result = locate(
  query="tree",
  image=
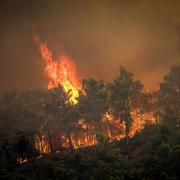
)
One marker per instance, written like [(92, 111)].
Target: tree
[(125, 95), (70, 122), (11, 109), (62, 114), (169, 94), (34, 117), (93, 103), (24, 147), (17, 114)]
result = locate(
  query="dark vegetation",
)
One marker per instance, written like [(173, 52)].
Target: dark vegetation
[(152, 153)]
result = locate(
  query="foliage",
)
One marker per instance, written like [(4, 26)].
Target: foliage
[(153, 153)]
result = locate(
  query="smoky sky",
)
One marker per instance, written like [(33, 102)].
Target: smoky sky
[(100, 35)]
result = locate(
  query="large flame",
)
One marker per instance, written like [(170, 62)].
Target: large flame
[(61, 71)]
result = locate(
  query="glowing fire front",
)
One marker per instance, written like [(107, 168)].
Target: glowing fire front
[(112, 129), (60, 72)]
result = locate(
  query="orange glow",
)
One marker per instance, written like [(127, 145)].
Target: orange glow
[(21, 160), (139, 120), (41, 143)]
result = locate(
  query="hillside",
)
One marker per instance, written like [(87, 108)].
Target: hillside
[(154, 153)]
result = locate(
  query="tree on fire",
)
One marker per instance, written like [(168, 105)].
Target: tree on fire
[(93, 103), (61, 114), (125, 95)]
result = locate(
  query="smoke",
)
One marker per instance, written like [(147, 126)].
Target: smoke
[(99, 35)]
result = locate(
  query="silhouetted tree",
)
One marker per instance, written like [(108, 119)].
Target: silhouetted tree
[(169, 94), (125, 95), (93, 102), (62, 114)]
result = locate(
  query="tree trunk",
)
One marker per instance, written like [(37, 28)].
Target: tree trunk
[(109, 132), (127, 126), (70, 141), (49, 138), (100, 128), (41, 144), (127, 119), (87, 137)]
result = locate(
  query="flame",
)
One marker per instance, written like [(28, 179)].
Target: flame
[(41, 144), (63, 71), (60, 72), (139, 120)]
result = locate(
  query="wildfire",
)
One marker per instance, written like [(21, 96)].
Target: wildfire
[(60, 72), (41, 143), (116, 127), (139, 120)]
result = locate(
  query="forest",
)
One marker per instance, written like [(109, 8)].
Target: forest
[(111, 130)]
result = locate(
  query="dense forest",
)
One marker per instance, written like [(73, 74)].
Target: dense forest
[(114, 130)]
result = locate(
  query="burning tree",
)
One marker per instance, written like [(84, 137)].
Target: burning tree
[(62, 114), (93, 103), (125, 95)]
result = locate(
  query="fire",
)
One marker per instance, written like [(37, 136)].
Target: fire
[(117, 130), (60, 72), (139, 120), (41, 143)]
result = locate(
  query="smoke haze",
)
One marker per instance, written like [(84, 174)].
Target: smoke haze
[(142, 35)]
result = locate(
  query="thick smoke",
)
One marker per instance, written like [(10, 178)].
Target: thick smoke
[(99, 35)]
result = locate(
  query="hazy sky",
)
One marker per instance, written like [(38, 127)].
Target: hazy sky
[(100, 35)]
